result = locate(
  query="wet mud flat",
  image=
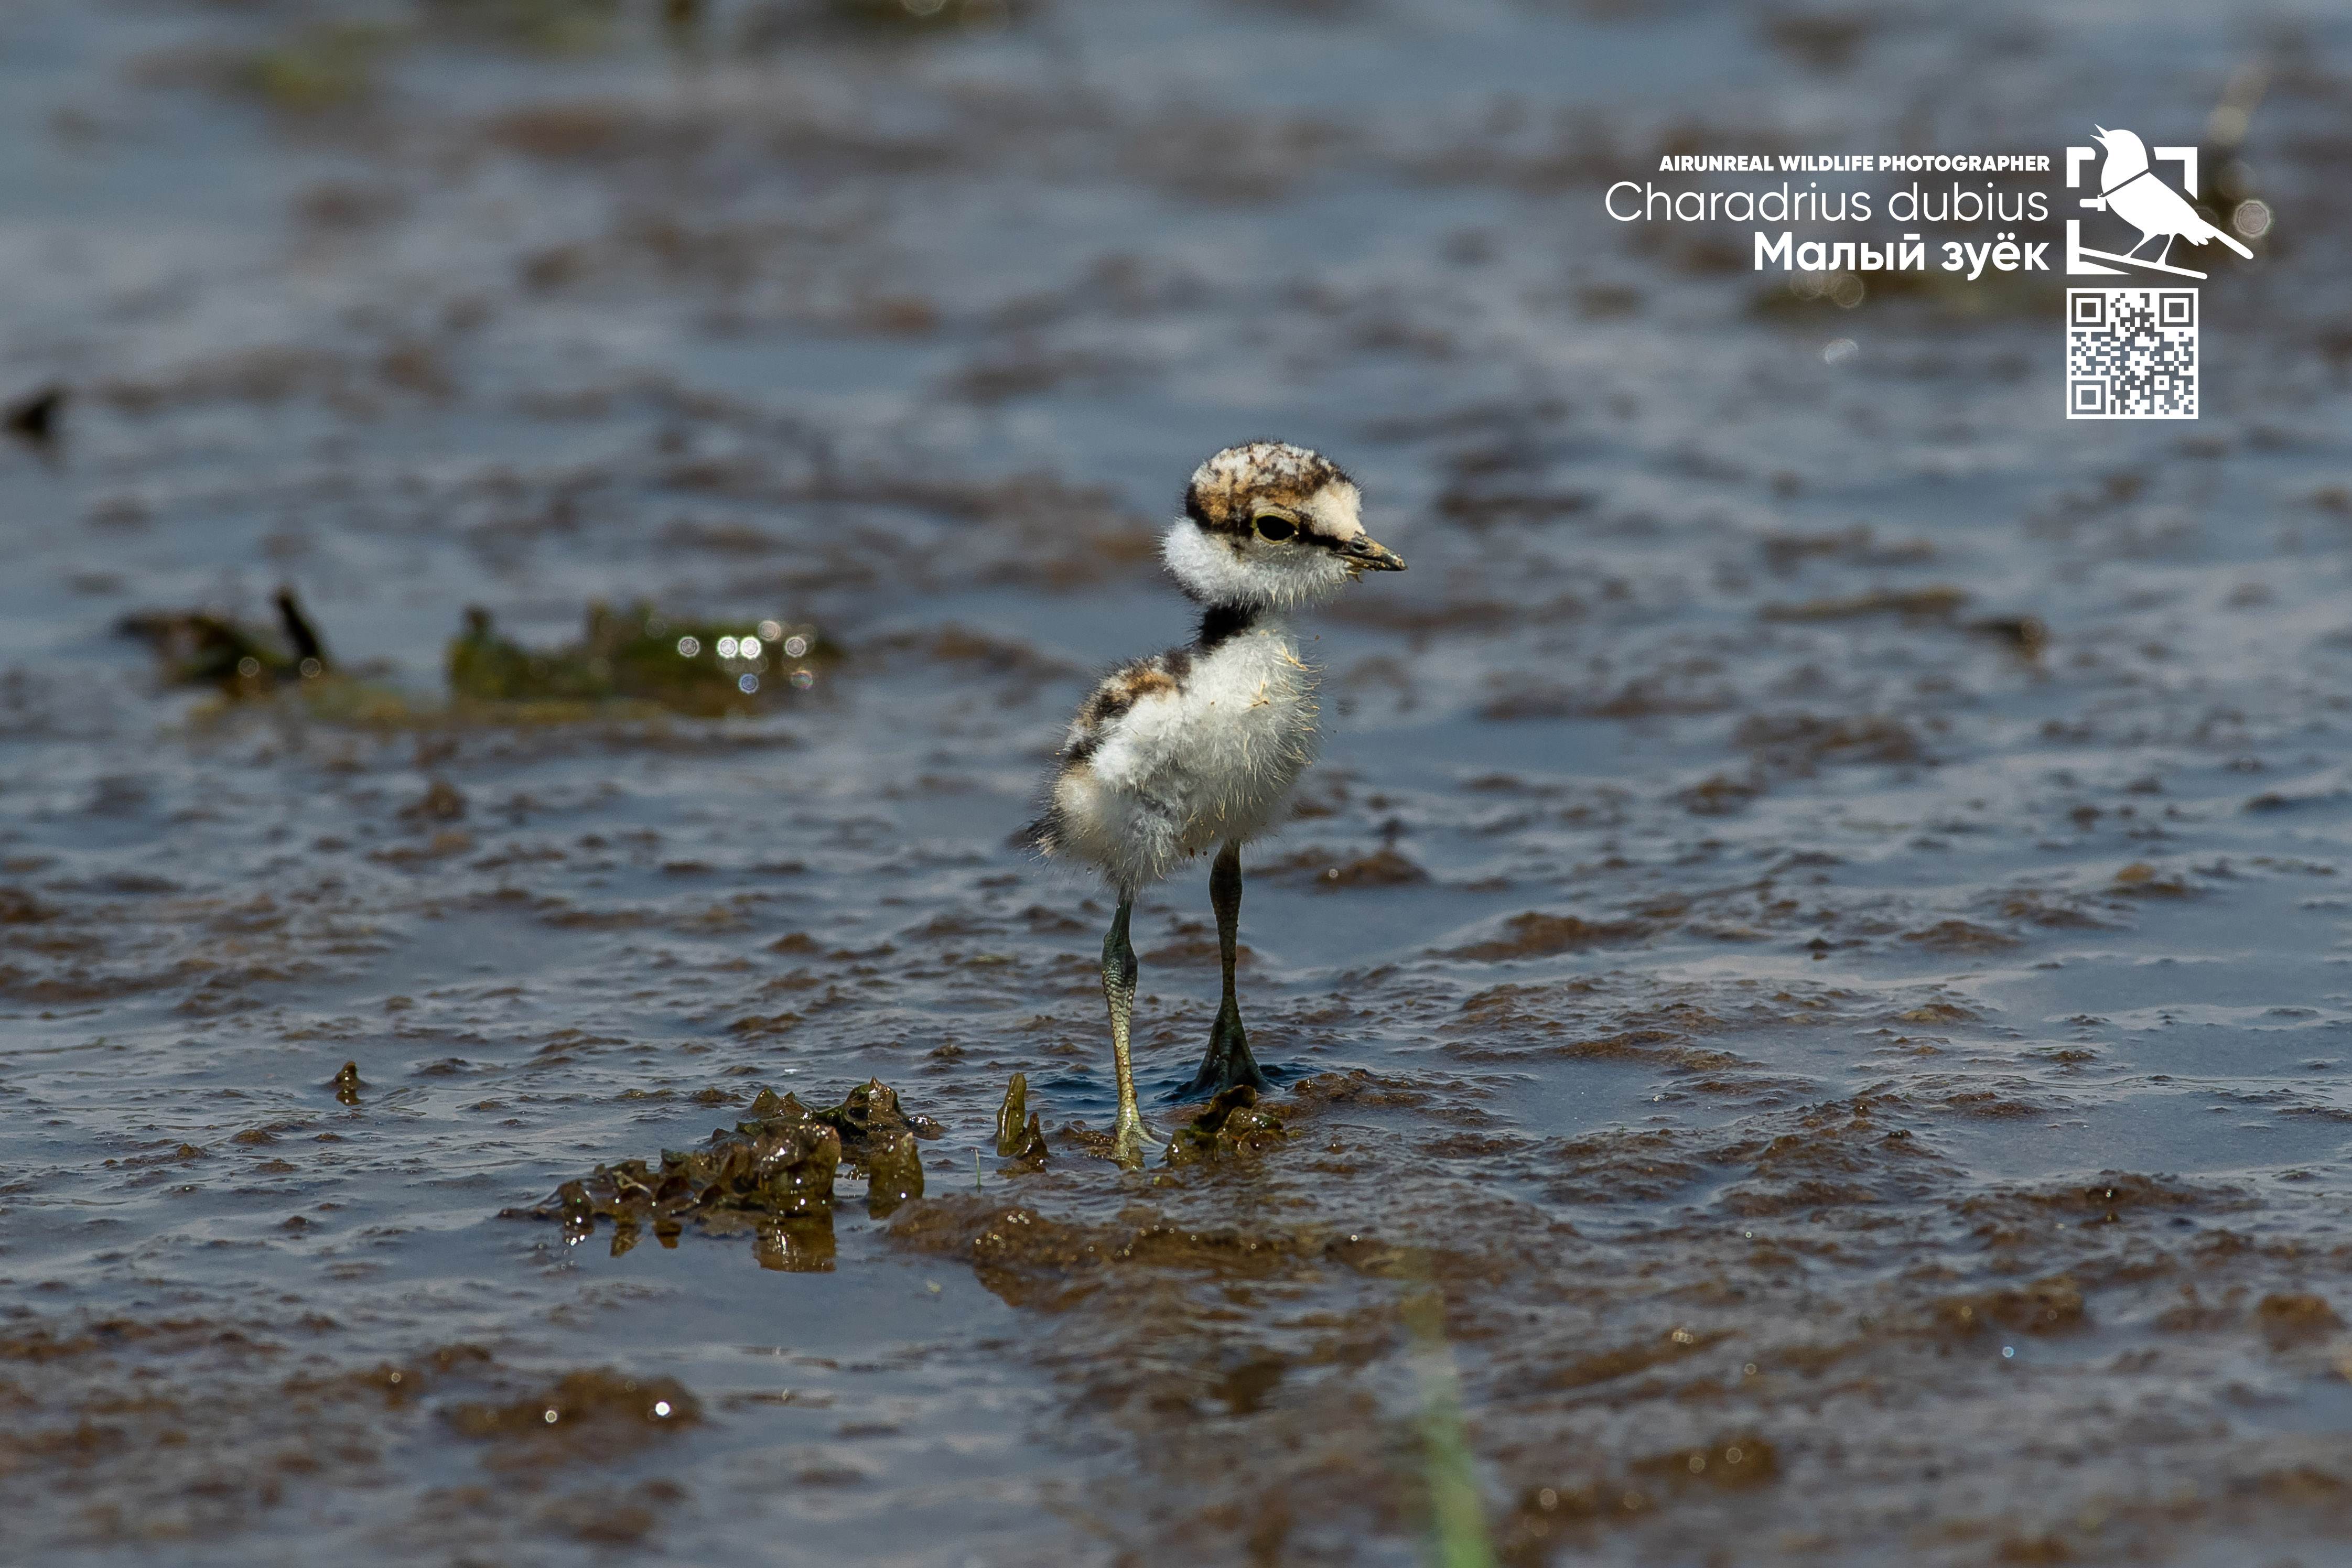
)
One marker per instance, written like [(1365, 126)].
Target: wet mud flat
[(1807, 994)]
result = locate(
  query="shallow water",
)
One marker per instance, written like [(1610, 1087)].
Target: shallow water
[(1862, 1093)]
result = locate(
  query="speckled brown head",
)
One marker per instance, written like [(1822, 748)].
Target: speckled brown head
[(1227, 489), (1270, 524)]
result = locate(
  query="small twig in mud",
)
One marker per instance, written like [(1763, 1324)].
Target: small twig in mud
[(1009, 1116), (34, 418), (309, 653), (1021, 1143)]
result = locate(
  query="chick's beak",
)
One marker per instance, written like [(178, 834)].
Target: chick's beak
[(1366, 555)]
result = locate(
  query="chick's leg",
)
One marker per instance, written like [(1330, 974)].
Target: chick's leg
[(1228, 1061), (1118, 991)]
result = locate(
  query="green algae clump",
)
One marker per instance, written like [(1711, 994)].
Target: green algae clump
[(868, 1117), (702, 668), (772, 1174), (202, 648), (1009, 1114), (1232, 1123), (1022, 1144), (894, 1173)]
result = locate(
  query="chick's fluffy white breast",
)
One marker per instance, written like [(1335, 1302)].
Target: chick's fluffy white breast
[(1178, 753)]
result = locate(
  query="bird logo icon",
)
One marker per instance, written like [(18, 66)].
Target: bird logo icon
[(2130, 188)]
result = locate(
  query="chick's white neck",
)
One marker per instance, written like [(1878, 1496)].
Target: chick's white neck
[(1214, 571)]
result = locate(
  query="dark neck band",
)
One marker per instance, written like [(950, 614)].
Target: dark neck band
[(1219, 621)]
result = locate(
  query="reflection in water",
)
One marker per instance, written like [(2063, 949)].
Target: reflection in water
[(796, 1246)]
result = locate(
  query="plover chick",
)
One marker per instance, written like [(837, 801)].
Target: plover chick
[(1198, 747)]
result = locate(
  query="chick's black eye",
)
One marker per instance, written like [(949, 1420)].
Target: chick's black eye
[(1274, 528)]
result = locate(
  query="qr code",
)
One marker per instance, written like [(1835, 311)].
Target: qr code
[(2131, 353)]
